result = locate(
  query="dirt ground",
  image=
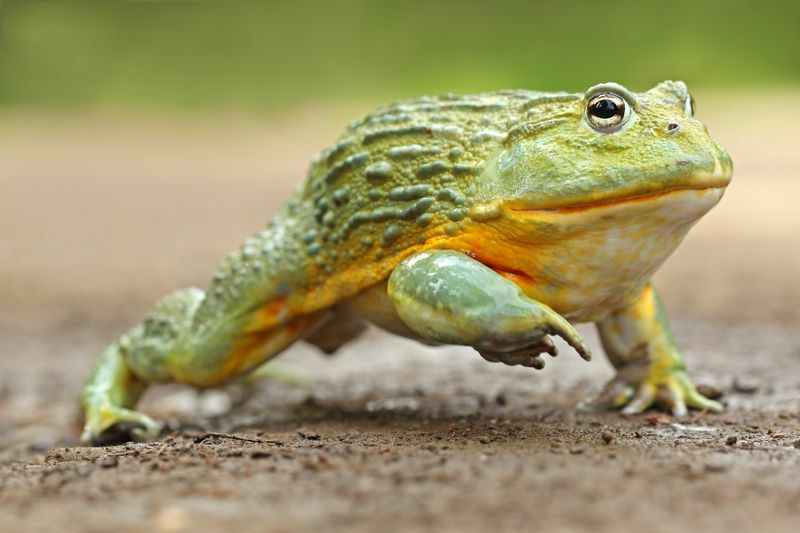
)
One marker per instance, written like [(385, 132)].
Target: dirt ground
[(102, 213)]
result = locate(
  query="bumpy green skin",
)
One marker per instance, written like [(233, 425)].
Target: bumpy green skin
[(487, 220)]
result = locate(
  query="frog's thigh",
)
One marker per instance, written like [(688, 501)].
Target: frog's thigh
[(216, 353), (448, 297)]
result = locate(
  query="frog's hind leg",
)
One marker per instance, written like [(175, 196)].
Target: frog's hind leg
[(173, 345), (329, 336)]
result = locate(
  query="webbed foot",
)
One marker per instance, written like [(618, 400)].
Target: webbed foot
[(107, 424), (639, 385), (107, 396)]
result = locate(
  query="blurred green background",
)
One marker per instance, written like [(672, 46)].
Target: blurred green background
[(260, 54)]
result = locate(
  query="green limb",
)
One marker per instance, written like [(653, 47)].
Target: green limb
[(122, 373), (171, 344), (450, 298), (650, 368), (274, 371), (110, 390)]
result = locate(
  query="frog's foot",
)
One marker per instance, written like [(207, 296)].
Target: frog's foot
[(107, 423), (529, 357), (639, 385)]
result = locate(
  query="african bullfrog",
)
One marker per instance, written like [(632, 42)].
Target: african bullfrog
[(494, 220)]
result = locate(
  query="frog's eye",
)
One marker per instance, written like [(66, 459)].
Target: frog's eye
[(607, 112), (688, 107)]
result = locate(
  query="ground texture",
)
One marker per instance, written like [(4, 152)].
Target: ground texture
[(103, 214)]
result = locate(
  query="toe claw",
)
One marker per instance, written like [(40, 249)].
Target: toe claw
[(643, 399), (548, 346), (578, 345), (535, 362), (697, 401), (679, 408), (671, 397), (622, 397), (567, 331), (87, 435)]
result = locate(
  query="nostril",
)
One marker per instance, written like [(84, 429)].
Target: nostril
[(673, 128)]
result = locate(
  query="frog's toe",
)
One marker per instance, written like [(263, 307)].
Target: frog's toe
[(643, 397), (111, 424), (678, 394), (561, 327), (530, 356), (548, 346), (695, 400), (528, 359), (671, 391)]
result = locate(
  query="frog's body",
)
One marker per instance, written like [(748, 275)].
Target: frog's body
[(483, 220)]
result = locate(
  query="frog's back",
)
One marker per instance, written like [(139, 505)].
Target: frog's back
[(398, 180)]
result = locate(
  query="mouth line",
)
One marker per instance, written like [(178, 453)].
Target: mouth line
[(609, 202)]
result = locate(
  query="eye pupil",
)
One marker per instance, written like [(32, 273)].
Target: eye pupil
[(607, 112), (605, 108)]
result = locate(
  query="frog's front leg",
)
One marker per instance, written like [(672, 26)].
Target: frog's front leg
[(650, 369), (448, 297)]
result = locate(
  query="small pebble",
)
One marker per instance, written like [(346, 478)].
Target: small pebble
[(260, 454), (709, 391), (306, 434), (110, 461), (745, 385), (576, 450), (657, 419), (730, 441)]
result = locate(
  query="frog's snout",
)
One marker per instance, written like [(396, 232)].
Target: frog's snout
[(723, 165), (711, 160), (719, 172)]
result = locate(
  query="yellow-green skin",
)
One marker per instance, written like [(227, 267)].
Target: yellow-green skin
[(490, 220)]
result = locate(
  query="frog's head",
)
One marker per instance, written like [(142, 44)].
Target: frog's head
[(606, 146)]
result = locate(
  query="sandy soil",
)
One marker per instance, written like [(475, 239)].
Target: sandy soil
[(101, 214)]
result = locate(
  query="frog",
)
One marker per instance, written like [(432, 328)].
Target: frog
[(496, 221)]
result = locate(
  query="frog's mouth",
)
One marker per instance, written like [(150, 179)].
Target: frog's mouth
[(616, 201), (709, 181)]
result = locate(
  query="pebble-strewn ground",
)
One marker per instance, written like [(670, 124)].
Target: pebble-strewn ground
[(101, 215)]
